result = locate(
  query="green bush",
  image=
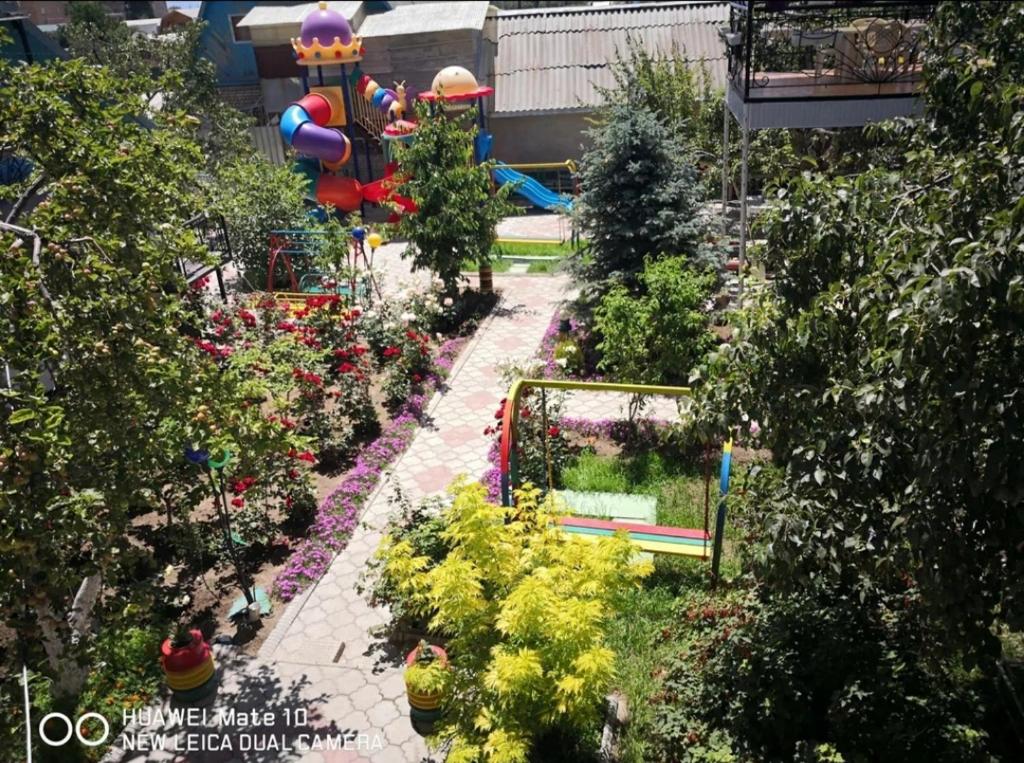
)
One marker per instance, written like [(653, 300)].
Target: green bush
[(126, 675), (525, 610), (569, 355), (255, 198), (785, 678), (656, 338)]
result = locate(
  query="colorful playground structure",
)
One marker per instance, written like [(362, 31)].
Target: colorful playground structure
[(592, 518), (319, 125)]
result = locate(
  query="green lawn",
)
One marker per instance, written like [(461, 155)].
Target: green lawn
[(544, 267), (637, 636), (679, 488), (531, 249), (526, 250)]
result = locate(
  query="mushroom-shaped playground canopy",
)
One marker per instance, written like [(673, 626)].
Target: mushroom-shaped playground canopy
[(455, 83)]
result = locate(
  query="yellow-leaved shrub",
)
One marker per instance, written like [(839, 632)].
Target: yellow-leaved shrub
[(522, 607)]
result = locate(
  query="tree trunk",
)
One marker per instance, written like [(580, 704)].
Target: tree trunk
[(69, 676), (486, 279)]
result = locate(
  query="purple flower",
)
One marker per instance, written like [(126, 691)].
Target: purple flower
[(338, 514)]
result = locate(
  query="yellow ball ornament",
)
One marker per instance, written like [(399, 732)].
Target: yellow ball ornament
[(374, 240)]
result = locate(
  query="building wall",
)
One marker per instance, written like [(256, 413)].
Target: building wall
[(541, 138), (235, 61), (54, 12), (417, 58)]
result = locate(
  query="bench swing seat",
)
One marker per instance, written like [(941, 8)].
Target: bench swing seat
[(655, 539)]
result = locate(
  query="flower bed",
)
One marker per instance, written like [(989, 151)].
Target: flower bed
[(557, 364), (338, 514)]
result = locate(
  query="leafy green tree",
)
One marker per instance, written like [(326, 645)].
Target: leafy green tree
[(883, 370), (170, 72), (459, 209), (91, 331), (640, 200), (659, 335), (108, 386), (257, 197), (897, 336)]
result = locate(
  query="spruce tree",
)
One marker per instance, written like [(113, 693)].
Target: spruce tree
[(640, 200)]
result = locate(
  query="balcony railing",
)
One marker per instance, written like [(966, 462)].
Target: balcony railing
[(811, 49)]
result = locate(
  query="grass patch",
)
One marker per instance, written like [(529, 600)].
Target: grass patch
[(638, 637), (679, 488), (502, 254), (544, 267), (531, 249), (649, 632)]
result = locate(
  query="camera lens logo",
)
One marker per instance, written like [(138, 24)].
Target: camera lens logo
[(72, 729)]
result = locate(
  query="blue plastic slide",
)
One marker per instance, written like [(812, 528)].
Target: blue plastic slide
[(531, 190)]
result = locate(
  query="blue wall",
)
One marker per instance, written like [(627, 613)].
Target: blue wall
[(235, 61)]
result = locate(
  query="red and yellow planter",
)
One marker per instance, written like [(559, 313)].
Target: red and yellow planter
[(425, 708), (190, 671)]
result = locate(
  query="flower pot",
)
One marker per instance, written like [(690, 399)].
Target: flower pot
[(189, 670), (425, 708)]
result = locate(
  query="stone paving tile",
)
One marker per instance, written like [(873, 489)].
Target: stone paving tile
[(614, 405)]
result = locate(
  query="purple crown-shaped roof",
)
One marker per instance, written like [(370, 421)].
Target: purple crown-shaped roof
[(325, 24)]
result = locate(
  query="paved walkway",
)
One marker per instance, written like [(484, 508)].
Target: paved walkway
[(321, 676), (327, 630)]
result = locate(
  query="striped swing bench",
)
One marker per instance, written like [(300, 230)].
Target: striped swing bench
[(650, 538)]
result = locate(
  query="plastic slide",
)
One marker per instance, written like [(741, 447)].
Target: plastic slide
[(531, 190), (383, 190), (303, 128), (482, 143)]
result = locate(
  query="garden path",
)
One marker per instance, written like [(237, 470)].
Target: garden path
[(327, 629)]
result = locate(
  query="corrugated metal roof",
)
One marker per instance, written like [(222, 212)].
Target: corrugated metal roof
[(557, 59), (274, 15), (423, 18)]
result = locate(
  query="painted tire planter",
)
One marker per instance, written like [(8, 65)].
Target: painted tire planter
[(190, 670), (425, 707)]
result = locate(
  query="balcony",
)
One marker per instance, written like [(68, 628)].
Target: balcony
[(810, 63)]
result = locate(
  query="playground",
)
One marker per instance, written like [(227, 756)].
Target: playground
[(385, 449)]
